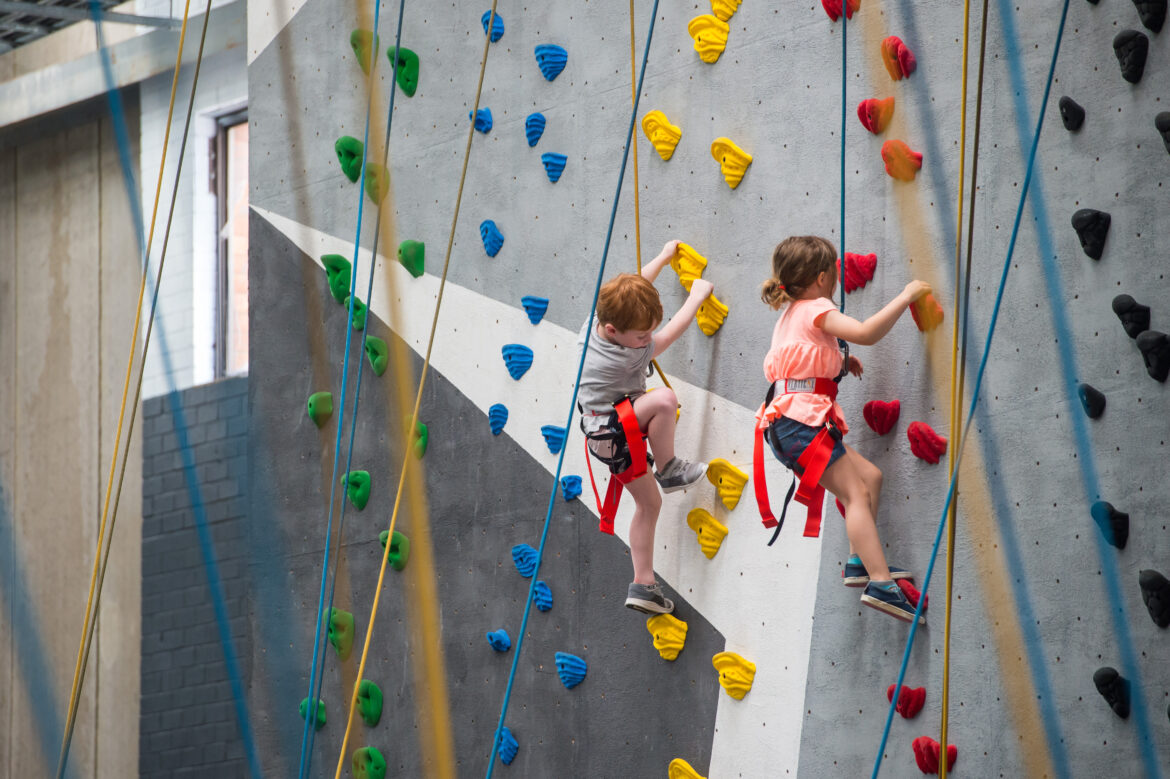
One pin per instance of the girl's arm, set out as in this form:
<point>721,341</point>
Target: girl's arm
<point>700,290</point>
<point>651,269</point>
<point>873,329</point>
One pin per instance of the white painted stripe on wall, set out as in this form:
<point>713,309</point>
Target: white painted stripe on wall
<point>761,599</point>
<point>266,18</point>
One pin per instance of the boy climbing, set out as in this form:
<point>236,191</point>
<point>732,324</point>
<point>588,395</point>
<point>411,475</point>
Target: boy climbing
<point>803,365</point>
<point>622,344</point>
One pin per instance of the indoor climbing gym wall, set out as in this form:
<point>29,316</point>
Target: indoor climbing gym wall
<point>432,595</point>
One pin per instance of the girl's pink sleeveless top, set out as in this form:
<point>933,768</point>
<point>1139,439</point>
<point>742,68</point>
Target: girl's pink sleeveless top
<point>801,350</point>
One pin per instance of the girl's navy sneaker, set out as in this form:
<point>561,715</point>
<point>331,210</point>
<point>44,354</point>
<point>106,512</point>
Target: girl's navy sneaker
<point>888,597</point>
<point>855,575</point>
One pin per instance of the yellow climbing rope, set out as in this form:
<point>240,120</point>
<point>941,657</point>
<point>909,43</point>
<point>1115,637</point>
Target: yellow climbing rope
<point>432,648</point>
<point>101,554</point>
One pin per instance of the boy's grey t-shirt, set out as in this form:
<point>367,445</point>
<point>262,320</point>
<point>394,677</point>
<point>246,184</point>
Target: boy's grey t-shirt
<point>611,371</point>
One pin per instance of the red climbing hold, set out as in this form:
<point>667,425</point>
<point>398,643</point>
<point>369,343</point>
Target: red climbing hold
<point>882,415</point>
<point>926,752</point>
<point>912,594</point>
<point>910,700</point>
<point>833,8</point>
<point>927,312</point>
<point>925,443</point>
<point>875,114</point>
<point>859,270</point>
<point>900,62</point>
<point>902,162</point>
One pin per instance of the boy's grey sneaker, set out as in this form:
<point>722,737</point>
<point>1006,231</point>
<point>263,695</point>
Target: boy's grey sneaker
<point>648,600</point>
<point>679,474</point>
<point>888,597</point>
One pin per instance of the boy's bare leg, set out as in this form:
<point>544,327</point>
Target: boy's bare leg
<point>656,413</point>
<point>846,479</point>
<point>647,502</point>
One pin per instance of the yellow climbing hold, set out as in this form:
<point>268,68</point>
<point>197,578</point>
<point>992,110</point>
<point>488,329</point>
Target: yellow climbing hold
<point>688,264</point>
<point>735,673</point>
<point>729,481</point>
<point>681,769</point>
<point>661,133</point>
<point>710,315</point>
<point>724,8</point>
<point>710,36</point>
<point>733,161</point>
<point>710,531</point>
<point>669,633</point>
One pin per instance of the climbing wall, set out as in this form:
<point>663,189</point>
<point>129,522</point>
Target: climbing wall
<point>1033,609</point>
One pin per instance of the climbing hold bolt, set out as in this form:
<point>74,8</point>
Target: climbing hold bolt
<point>320,407</point>
<point>406,64</point>
<point>357,488</point>
<point>517,358</point>
<point>859,270</point>
<point>571,669</point>
<point>551,60</point>
<point>497,25</point>
<point>499,640</point>
<point>710,36</point>
<point>554,165</point>
<point>535,307</point>
<point>318,713</point>
<point>542,596</point>
<point>369,702</point>
<point>709,531</point>
<point>482,119</point>
<point>1113,524</point>
<point>1071,114</point>
<point>882,415</point>
<point>509,746</point>
<point>1092,228</point>
<point>570,487</point>
<point>493,239</point>
<point>925,443</point>
<point>899,60</point>
<point>368,763</point>
<point>1155,349</point>
<point>733,161</point>
<point>534,125</point>
<point>497,417</point>
<point>413,256</point>
<point>359,312</point>
<point>735,673</point>
<point>664,135</point>
<point>1131,48</point>
<point>902,162</point>
<point>1092,399</point>
<point>554,436</point>
<point>910,700</point>
<point>1135,317</point>
<point>341,632</point>
<point>927,312</point>
<point>349,155</point>
<point>399,553</point>
<point>1156,596</point>
<point>377,353</point>
<point>337,271</point>
<point>1114,688</point>
<point>669,634</point>
<point>364,44</point>
<point>875,114</point>
<point>524,557</point>
<point>377,181</point>
<point>729,481</point>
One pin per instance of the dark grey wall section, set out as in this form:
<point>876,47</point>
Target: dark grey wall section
<point>188,726</point>
<point>634,712</point>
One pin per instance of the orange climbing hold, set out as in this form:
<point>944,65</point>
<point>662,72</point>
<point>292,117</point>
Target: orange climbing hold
<point>902,162</point>
<point>900,62</point>
<point>927,312</point>
<point>875,114</point>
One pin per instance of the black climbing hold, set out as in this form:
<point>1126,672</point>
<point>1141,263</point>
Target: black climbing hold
<point>1114,524</point>
<point>1155,349</point>
<point>1162,123</point>
<point>1092,227</point>
<point>1092,399</point>
<point>337,270</point>
<point>1114,688</point>
<point>1135,317</point>
<point>1152,13</point>
<point>1156,594</point>
<point>1071,114</point>
<point>1094,2</point>
<point>349,154</point>
<point>1131,48</point>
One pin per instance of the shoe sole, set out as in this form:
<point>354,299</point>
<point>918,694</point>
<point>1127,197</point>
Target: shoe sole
<point>892,610</point>
<point>678,487</point>
<point>648,606</point>
<point>861,581</point>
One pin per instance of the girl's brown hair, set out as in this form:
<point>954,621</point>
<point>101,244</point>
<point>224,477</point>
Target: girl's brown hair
<point>796,263</point>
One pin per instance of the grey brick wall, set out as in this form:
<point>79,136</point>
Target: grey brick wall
<point>188,726</point>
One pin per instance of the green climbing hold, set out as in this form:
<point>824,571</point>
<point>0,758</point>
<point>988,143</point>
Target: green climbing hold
<point>338,270</point>
<point>368,763</point>
<point>320,707</point>
<point>349,154</point>
<point>412,255</point>
<point>357,487</point>
<point>377,181</point>
<point>341,632</point>
<point>399,548</point>
<point>359,313</point>
<point>369,702</point>
<point>421,434</point>
<point>320,407</point>
<point>377,353</point>
<point>359,41</point>
<point>405,70</point>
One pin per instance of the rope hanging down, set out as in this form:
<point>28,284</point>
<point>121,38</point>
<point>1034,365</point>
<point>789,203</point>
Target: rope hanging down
<point>975,391</point>
<point>572,407</point>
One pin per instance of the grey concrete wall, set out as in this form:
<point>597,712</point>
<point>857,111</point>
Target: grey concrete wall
<point>188,725</point>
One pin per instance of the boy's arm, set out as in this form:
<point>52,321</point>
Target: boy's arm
<point>651,269</point>
<point>700,291</point>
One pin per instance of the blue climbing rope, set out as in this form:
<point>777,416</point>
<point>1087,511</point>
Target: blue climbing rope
<point>309,732</point>
<point>1007,263</point>
<point>572,403</point>
<point>198,509</point>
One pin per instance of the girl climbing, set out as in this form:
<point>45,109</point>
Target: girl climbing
<point>804,424</point>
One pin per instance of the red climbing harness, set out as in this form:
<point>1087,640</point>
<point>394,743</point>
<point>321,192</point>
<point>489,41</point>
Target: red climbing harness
<point>813,460</point>
<point>634,451</point>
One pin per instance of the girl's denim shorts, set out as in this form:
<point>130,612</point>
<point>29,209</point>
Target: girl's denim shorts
<point>789,438</point>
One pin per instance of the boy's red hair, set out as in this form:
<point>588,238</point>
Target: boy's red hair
<point>629,302</point>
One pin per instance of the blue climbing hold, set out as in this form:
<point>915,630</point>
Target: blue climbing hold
<point>499,640</point>
<point>497,25</point>
<point>542,597</point>
<point>571,669</point>
<point>535,307</point>
<point>497,417</point>
<point>483,119</point>
<point>493,239</point>
<point>551,59</point>
<point>534,127</point>
<point>518,358</point>
<point>553,436</point>
<point>524,557</point>
<point>508,746</point>
<point>570,487</point>
<point>554,165</point>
